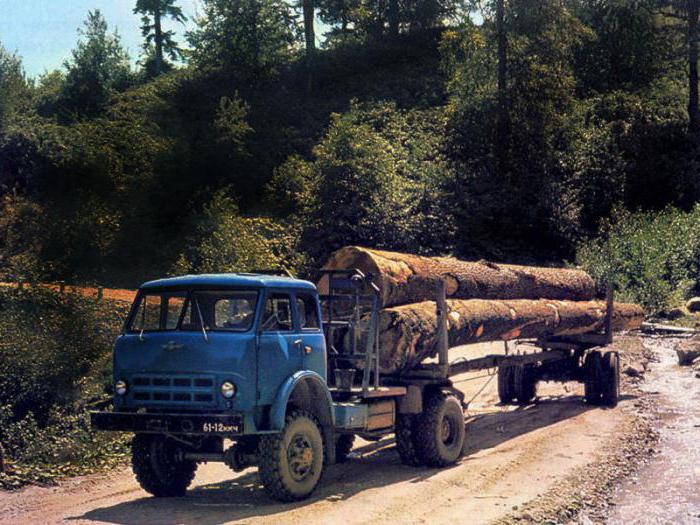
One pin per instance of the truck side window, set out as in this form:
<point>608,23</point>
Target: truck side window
<point>307,311</point>
<point>277,315</point>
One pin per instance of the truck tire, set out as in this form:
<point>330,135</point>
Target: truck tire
<point>158,468</point>
<point>610,379</point>
<point>343,446</point>
<point>291,462</point>
<point>506,391</point>
<point>405,440</point>
<point>524,383</point>
<point>592,378</point>
<point>440,431</point>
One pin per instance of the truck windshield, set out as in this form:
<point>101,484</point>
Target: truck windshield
<point>230,310</point>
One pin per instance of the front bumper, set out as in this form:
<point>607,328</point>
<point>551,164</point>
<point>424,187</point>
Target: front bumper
<point>209,424</point>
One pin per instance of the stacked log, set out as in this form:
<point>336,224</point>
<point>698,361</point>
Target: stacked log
<point>488,302</point>
<point>408,334</point>
<point>405,279</point>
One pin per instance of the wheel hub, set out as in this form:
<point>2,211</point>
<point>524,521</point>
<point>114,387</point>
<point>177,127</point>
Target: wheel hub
<point>300,456</point>
<point>446,431</point>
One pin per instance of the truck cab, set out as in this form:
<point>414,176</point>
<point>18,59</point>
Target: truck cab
<point>214,356</point>
<point>218,344</point>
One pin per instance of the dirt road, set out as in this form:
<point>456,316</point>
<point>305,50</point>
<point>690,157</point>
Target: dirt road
<point>514,454</point>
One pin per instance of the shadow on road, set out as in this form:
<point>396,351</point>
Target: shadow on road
<point>371,466</point>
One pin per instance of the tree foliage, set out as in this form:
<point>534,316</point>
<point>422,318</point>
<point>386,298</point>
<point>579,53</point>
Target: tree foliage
<point>99,67</point>
<point>159,42</point>
<point>254,38</point>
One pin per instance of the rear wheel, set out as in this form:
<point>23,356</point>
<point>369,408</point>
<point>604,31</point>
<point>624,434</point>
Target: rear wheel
<point>291,462</point>
<point>610,379</point>
<point>440,431</point>
<point>505,384</point>
<point>159,467</point>
<point>524,383</point>
<point>406,440</point>
<point>592,378</point>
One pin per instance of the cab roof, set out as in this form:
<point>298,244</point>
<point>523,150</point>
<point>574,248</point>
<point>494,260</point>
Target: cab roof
<point>225,280</point>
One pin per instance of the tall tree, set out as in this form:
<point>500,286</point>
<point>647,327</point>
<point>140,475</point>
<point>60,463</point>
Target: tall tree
<point>13,84</point>
<point>693,13</point>
<point>250,38</point>
<point>503,116</point>
<point>99,66</point>
<point>153,12</point>
<point>688,12</point>
<point>308,10</point>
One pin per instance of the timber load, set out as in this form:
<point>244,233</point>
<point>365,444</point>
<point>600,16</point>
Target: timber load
<point>409,334</point>
<point>487,302</point>
<point>405,279</point>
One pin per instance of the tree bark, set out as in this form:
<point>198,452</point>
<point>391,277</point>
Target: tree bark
<point>693,104</point>
<point>408,334</point>
<point>393,17</point>
<point>405,279</point>
<point>503,124</point>
<point>309,32</point>
<point>158,37</point>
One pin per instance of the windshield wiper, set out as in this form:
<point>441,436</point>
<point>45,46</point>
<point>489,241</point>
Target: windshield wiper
<point>201,318</point>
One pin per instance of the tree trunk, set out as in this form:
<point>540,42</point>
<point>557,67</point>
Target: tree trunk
<point>408,334</point>
<point>693,106</point>
<point>158,37</point>
<point>405,279</point>
<point>393,17</point>
<point>309,32</point>
<point>503,123</point>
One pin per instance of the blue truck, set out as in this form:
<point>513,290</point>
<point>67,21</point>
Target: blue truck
<point>259,369</point>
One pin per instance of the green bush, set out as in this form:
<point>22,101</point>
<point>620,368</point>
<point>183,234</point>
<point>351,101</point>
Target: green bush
<point>654,258</point>
<point>55,364</point>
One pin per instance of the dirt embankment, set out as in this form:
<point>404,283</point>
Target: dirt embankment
<point>549,460</point>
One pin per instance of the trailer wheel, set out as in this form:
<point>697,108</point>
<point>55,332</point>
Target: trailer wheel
<point>592,386</point>
<point>524,383</point>
<point>406,440</point>
<point>343,446</point>
<point>440,431</point>
<point>610,384</point>
<point>506,392</point>
<point>159,469</point>
<point>291,462</point>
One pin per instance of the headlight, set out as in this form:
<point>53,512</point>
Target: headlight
<point>120,388</point>
<point>228,389</point>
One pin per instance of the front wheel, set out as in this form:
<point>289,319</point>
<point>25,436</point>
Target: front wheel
<point>159,466</point>
<point>440,431</point>
<point>291,462</point>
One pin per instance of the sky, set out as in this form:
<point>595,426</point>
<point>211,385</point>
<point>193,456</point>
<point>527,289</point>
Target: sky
<point>43,32</point>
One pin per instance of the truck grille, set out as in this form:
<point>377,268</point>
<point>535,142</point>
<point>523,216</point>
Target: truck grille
<point>151,389</point>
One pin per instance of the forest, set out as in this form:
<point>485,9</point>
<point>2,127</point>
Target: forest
<point>547,131</point>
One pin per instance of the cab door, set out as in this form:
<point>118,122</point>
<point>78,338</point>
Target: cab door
<point>280,348</point>
<point>308,314</point>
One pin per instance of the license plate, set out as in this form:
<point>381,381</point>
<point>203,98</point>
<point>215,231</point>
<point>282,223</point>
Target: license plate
<point>216,427</point>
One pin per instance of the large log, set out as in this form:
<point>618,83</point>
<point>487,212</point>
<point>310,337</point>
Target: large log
<point>408,334</point>
<point>407,279</point>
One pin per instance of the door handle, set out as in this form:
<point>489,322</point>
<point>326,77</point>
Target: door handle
<point>298,342</point>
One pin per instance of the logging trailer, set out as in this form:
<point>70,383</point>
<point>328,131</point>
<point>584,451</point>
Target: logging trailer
<point>291,377</point>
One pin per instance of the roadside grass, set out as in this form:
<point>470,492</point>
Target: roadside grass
<point>55,366</point>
